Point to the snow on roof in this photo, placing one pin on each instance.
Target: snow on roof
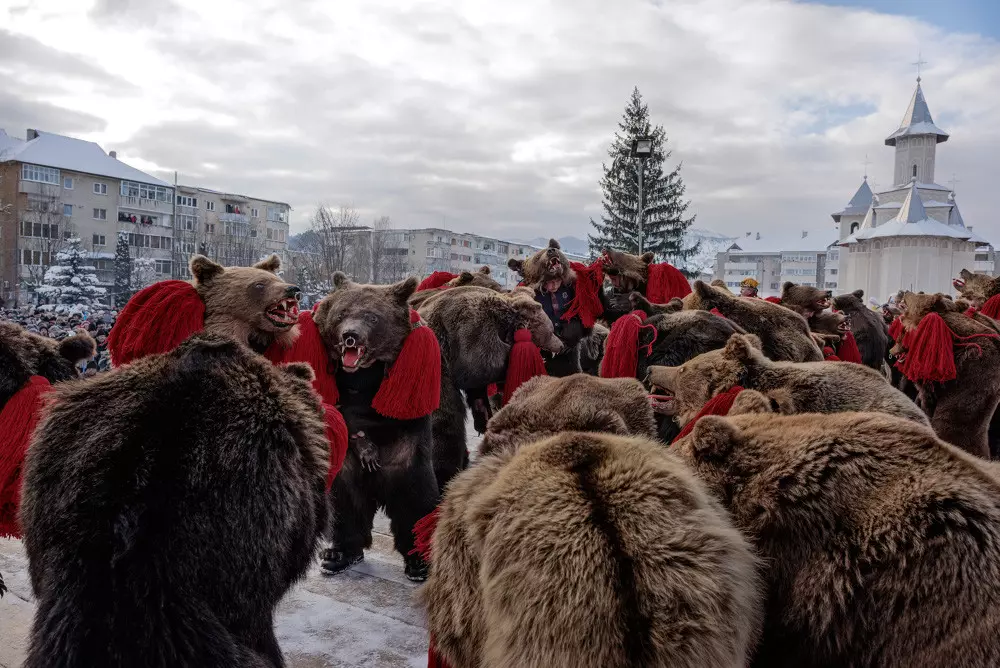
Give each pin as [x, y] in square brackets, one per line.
[752, 245]
[911, 221]
[917, 120]
[804, 245]
[859, 203]
[52, 150]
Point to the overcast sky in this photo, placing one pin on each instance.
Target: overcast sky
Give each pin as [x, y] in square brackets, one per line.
[495, 117]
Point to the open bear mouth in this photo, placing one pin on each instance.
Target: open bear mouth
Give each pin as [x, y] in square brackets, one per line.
[822, 304]
[844, 326]
[958, 283]
[283, 314]
[352, 354]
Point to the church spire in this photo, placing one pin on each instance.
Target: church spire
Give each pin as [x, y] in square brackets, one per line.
[917, 120]
[912, 210]
[916, 141]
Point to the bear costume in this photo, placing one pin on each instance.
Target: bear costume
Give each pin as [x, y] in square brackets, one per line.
[879, 542]
[164, 533]
[627, 273]
[588, 550]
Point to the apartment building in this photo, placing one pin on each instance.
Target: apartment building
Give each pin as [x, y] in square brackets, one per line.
[803, 262]
[232, 229]
[53, 188]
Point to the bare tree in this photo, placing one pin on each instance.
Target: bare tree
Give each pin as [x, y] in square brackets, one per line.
[389, 252]
[42, 230]
[334, 239]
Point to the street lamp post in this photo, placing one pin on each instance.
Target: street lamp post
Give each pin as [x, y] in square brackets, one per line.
[642, 148]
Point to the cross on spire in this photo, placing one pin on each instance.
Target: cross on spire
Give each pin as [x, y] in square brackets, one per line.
[866, 163]
[953, 182]
[920, 61]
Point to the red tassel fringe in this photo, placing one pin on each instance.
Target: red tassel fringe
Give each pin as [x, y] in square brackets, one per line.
[720, 404]
[930, 350]
[412, 386]
[586, 303]
[155, 321]
[492, 390]
[717, 312]
[829, 355]
[664, 282]
[436, 280]
[523, 364]
[848, 351]
[991, 309]
[434, 660]
[621, 350]
[896, 329]
[18, 420]
[773, 300]
[336, 434]
[309, 348]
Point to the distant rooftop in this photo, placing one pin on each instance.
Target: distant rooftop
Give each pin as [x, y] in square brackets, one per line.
[52, 150]
[911, 221]
[228, 195]
[859, 203]
[917, 120]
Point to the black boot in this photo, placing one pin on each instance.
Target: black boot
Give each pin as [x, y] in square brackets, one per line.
[334, 561]
[416, 568]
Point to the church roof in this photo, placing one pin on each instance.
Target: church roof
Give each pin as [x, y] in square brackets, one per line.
[917, 120]
[911, 221]
[859, 203]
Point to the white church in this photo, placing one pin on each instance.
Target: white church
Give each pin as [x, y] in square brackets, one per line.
[910, 236]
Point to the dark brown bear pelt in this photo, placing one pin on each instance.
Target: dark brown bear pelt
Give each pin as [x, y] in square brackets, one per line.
[592, 349]
[398, 465]
[589, 551]
[24, 354]
[960, 410]
[880, 542]
[249, 304]
[818, 387]
[481, 278]
[868, 327]
[626, 273]
[783, 332]
[805, 300]
[549, 274]
[977, 288]
[547, 406]
[169, 505]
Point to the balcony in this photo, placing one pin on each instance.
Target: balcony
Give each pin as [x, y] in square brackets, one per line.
[133, 202]
[234, 218]
[43, 189]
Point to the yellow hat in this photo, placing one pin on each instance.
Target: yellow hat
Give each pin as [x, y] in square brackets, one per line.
[749, 283]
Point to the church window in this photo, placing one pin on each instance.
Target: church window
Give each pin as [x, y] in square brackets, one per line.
[878, 245]
[914, 171]
[854, 228]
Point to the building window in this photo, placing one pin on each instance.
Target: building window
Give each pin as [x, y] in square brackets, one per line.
[100, 214]
[774, 286]
[833, 272]
[254, 213]
[35, 258]
[68, 183]
[186, 223]
[67, 209]
[854, 227]
[277, 215]
[163, 266]
[270, 234]
[186, 200]
[98, 239]
[144, 191]
[209, 206]
[39, 174]
[39, 230]
[100, 188]
[914, 171]
[982, 257]
[253, 232]
[209, 228]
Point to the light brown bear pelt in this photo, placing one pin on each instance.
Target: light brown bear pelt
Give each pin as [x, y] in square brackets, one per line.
[589, 551]
[546, 406]
[881, 542]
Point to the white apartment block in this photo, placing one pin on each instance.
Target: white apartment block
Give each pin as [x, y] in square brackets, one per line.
[803, 262]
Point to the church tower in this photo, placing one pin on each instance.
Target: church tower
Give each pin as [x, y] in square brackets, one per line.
[916, 142]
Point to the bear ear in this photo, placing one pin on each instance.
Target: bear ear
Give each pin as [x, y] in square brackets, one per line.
[203, 269]
[271, 264]
[673, 306]
[646, 258]
[301, 370]
[713, 437]
[554, 244]
[640, 303]
[464, 278]
[750, 401]
[703, 289]
[78, 347]
[742, 349]
[787, 285]
[485, 270]
[516, 265]
[401, 291]
[860, 294]
[340, 280]
[966, 274]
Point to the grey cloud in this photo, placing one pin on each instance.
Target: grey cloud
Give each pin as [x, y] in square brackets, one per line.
[21, 55]
[16, 115]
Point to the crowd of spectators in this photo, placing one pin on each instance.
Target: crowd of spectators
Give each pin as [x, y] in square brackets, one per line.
[58, 326]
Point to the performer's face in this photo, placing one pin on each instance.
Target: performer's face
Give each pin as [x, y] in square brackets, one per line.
[748, 292]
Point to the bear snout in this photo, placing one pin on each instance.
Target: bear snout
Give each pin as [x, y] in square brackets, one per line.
[293, 292]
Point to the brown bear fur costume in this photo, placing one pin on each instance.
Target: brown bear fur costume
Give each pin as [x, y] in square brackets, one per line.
[589, 551]
[817, 387]
[977, 288]
[805, 300]
[880, 542]
[551, 278]
[784, 333]
[169, 505]
[481, 278]
[592, 349]
[547, 406]
[398, 465]
[961, 409]
[868, 328]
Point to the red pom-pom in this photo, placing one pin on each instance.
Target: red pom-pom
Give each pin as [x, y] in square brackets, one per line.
[717, 312]
[412, 386]
[436, 280]
[309, 347]
[18, 420]
[586, 302]
[336, 434]
[621, 350]
[155, 321]
[720, 404]
[848, 351]
[773, 300]
[829, 355]
[991, 309]
[664, 282]
[931, 352]
[523, 363]
[492, 390]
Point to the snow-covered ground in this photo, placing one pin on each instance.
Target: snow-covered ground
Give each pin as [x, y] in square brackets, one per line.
[367, 617]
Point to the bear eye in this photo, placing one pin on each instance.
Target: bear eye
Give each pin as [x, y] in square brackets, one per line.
[372, 318]
[258, 286]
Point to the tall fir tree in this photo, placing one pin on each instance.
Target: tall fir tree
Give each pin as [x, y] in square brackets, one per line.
[71, 283]
[663, 205]
[123, 270]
